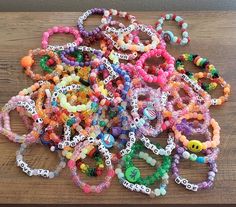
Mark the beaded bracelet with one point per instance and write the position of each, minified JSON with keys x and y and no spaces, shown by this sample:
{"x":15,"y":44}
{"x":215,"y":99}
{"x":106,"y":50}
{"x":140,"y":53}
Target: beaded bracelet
{"x":60,"y":29}
{"x":195,"y":145}
{"x":84,"y":16}
{"x":132,"y":180}
{"x":37,"y":172}
{"x":163,"y":73}
{"x":28,"y":61}
{"x":65,"y":52}
{"x":189,"y":186}
{"x":168,"y":36}
{"x":29,"y":106}
{"x":112,"y":12}
{"x":76,"y":178}
{"x":221,"y":82}
{"x":202,"y":63}
{"x":139,"y":47}
{"x":151,"y":112}
{"x":160,"y":151}
{"x":211,"y":154}
{"x":178,"y":105}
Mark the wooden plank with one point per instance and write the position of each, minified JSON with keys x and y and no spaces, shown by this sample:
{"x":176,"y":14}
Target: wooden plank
{"x":213,"y":35}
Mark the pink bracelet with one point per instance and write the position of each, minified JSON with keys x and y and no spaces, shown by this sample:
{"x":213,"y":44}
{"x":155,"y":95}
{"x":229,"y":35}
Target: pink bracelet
{"x":61,"y":29}
{"x":29,"y":105}
{"x":78,"y":153}
{"x":164,"y":71}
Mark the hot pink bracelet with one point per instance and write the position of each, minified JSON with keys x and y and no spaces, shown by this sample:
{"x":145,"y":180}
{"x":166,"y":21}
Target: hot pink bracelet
{"x":163,"y":73}
{"x":61,"y":29}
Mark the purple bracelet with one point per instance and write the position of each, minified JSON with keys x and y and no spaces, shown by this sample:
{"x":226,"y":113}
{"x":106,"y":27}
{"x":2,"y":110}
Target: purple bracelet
{"x":84,"y":16}
{"x":184,"y":182}
{"x":83,"y":49}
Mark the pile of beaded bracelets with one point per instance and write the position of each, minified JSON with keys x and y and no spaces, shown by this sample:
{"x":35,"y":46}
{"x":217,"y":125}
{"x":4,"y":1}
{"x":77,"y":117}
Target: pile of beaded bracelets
{"x":76,"y":178}
{"x":37,"y":172}
{"x":168,"y":36}
{"x":64,"y":30}
{"x":132,"y":179}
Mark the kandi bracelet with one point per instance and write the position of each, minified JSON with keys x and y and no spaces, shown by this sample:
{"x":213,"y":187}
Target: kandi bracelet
{"x":64,"y":30}
{"x":190,"y":186}
{"x":168,"y":36}
{"x":37,"y":172}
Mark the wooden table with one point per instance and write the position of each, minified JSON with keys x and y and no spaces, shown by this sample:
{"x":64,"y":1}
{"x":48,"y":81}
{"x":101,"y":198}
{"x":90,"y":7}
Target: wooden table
{"x":213,"y":35}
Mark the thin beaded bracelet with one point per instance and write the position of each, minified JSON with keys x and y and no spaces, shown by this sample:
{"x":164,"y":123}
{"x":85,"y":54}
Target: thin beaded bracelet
{"x":96,"y":60}
{"x":168,"y":36}
{"x":29,"y":105}
{"x":112,"y":12}
{"x":189,"y":186}
{"x":37,"y":172}
{"x":195,"y":145}
{"x":64,"y":30}
{"x":132,"y":180}
{"x":84,"y":16}
{"x":221,"y":82}
{"x":76,"y":178}
{"x":139,"y":47}
{"x":163,"y":73}
{"x":28,"y":61}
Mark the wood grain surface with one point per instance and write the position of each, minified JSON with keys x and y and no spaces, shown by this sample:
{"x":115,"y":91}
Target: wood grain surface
{"x":213,"y":35}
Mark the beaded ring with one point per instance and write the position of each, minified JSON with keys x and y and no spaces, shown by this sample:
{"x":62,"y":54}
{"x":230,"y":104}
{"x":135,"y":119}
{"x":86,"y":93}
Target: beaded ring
{"x":189,"y":186}
{"x":37,"y":172}
{"x":60,"y":29}
{"x":29,"y":106}
{"x":195,"y":145}
{"x":76,"y":178}
{"x":84,"y":16}
{"x":28,"y":61}
{"x":168,"y":36}
{"x":163,"y":73}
